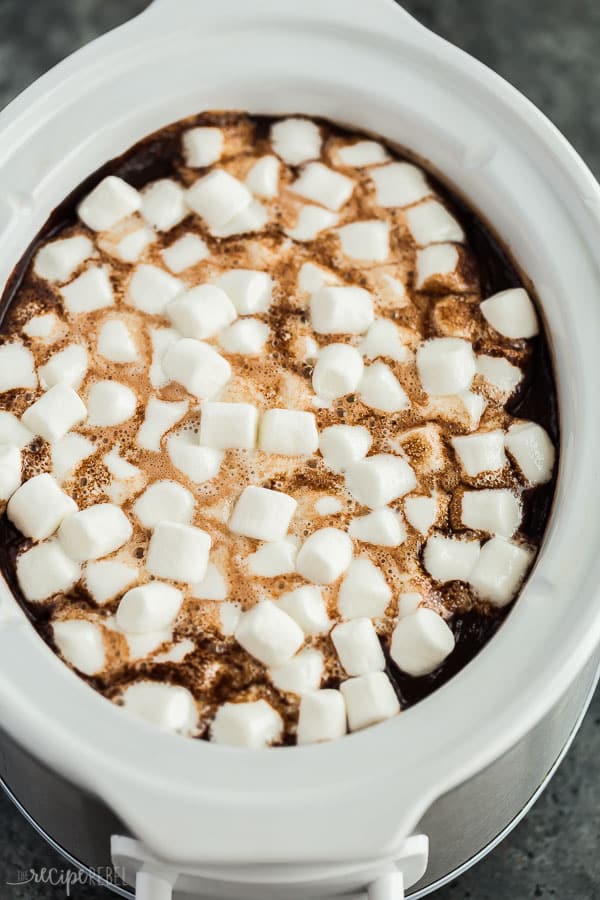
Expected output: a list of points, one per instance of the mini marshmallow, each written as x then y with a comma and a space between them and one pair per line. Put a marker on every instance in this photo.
246, 336
164, 501
38, 507
430, 222
149, 607
322, 717
228, 425
341, 310
57, 260
324, 556
338, 371
328, 506
185, 252
408, 603
230, 616
151, 288
474, 405
68, 452
446, 365
110, 201
254, 724
296, 140
425, 446
10, 470
202, 146
115, 342
94, 532
161, 339
55, 413
301, 674
450, 559
118, 466
499, 372
369, 240
421, 642
197, 367
199, 464
274, 558
46, 570
324, 186
110, 403
68, 366
435, 261
213, 586
341, 445
90, 291
46, 327
262, 514
421, 512
263, 177
218, 197
17, 367
141, 646
251, 219
163, 204
310, 222
269, 634
399, 184
289, 432
201, 312
81, 644
377, 480
107, 578
250, 291
306, 607
362, 153
382, 526
165, 706
12, 431
369, 699
495, 511
358, 647
160, 417
364, 591
178, 552
511, 313
383, 339
532, 450
500, 570
131, 247
380, 389
177, 653
481, 452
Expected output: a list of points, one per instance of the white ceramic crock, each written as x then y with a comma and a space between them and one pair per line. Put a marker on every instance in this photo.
370, 65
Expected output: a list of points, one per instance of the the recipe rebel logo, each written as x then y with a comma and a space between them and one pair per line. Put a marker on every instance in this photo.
67, 878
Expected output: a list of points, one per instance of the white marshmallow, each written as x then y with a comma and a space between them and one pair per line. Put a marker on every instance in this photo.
17, 367
341, 445
151, 288
164, 501
532, 450
430, 448
228, 425
185, 252
130, 248
369, 699
199, 464
338, 371
290, 432
377, 480
246, 336
498, 372
251, 219
408, 603
160, 417
383, 339
213, 586
362, 153
474, 405
68, 366
202, 146
149, 607
10, 470
90, 291
94, 532
269, 634
511, 313
254, 724
323, 185
12, 431
446, 365
301, 674
58, 260
262, 514
500, 570
358, 647
163, 204
328, 506
296, 140
141, 646
46, 570
218, 197
46, 327
161, 339
421, 642
364, 591
306, 606
399, 184
369, 240
421, 512
322, 717
107, 578
481, 452
312, 277
81, 644
324, 556
274, 558
38, 507
177, 653
382, 526
110, 201
110, 403
341, 310
430, 222
450, 559
116, 343
178, 552
310, 222
380, 389
165, 706
263, 177
55, 413
495, 511
433, 261
201, 312
250, 291
118, 466
197, 367
230, 616
68, 452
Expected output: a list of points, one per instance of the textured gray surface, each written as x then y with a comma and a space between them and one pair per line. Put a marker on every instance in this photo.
550, 51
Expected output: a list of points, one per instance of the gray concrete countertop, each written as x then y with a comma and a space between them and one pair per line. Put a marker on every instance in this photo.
551, 52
